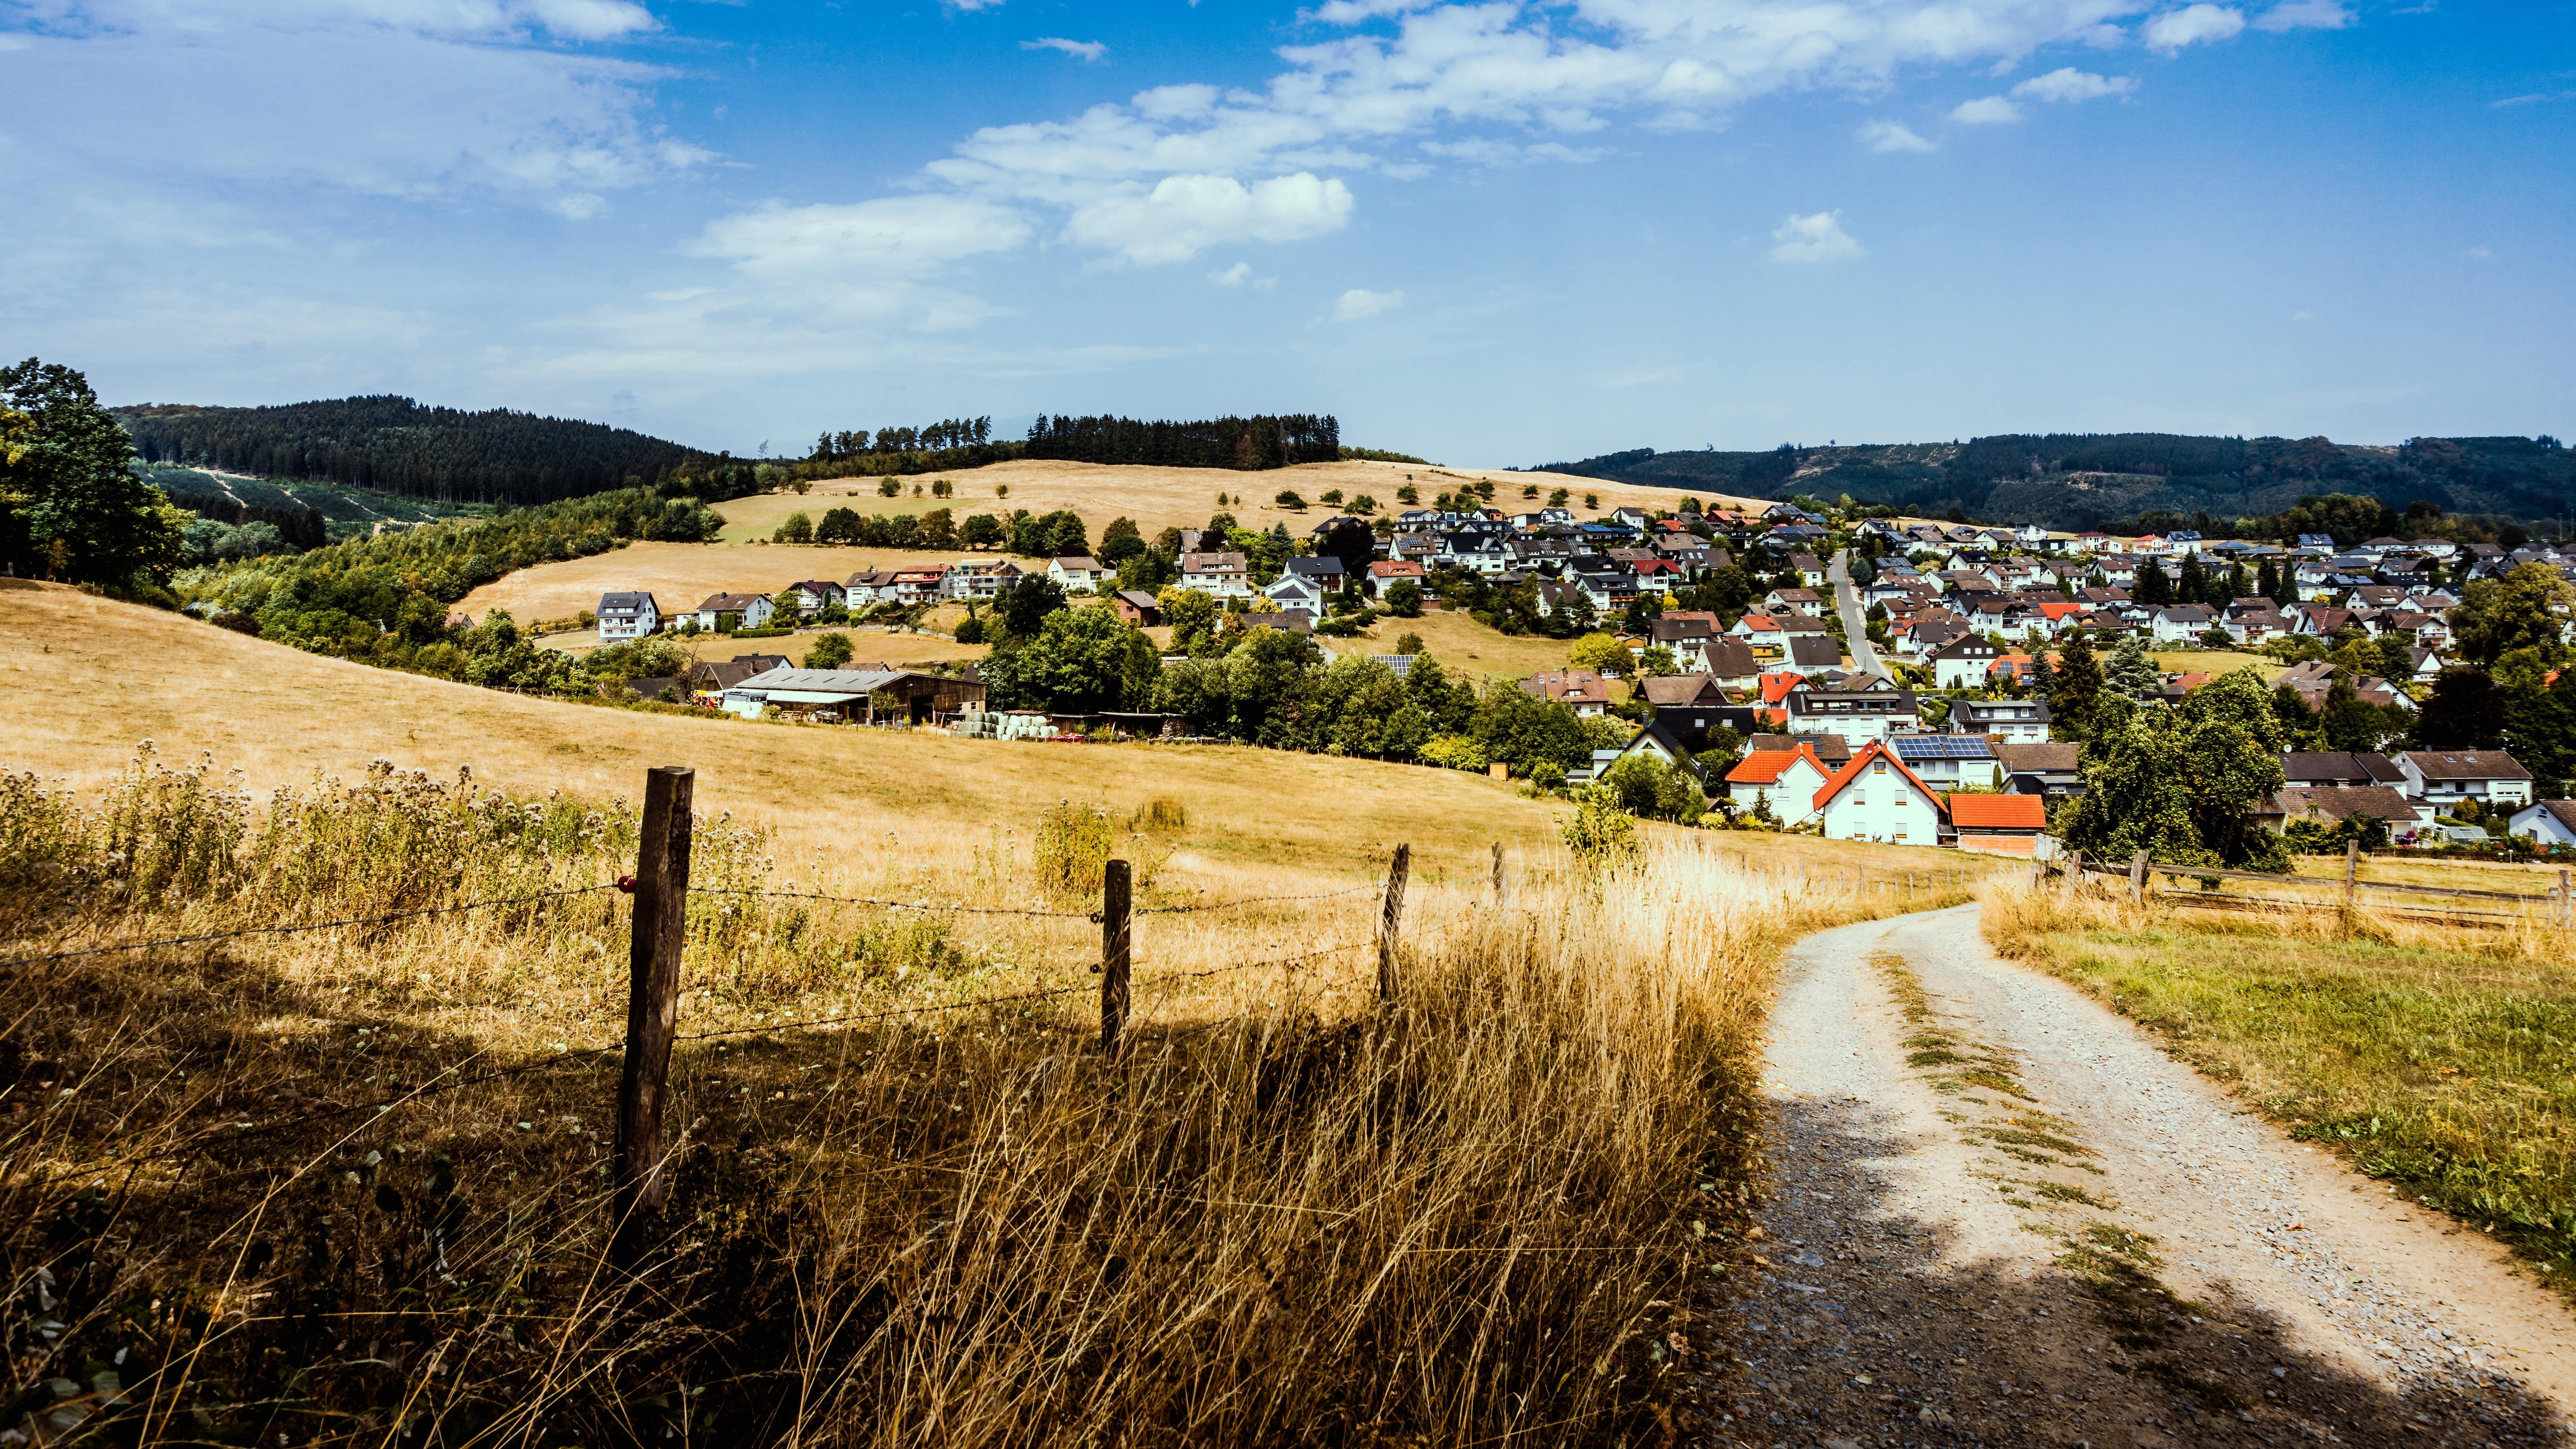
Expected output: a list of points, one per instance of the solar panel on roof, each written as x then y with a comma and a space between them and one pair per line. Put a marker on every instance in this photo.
1941, 747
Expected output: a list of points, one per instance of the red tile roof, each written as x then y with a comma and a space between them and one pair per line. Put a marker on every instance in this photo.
1877, 750
1777, 687
1998, 812
1765, 767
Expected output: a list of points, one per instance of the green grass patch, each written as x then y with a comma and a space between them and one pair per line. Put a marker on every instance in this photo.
2450, 1074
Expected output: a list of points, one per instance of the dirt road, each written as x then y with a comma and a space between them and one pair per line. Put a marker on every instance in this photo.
1999, 1214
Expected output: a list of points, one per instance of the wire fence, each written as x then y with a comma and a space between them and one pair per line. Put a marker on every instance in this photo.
456, 1076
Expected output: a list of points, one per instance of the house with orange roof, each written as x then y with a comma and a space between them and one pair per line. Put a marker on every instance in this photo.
1787, 779
1999, 824
1875, 797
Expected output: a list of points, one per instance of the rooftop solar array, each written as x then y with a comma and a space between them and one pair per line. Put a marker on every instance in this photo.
1941, 747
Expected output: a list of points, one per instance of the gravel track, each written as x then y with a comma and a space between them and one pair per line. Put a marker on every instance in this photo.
1998, 1213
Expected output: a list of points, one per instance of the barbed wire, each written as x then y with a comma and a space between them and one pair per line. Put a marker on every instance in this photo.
298, 929
899, 905
1251, 901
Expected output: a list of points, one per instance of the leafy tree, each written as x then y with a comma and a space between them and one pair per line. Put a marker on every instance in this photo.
1120, 542
799, 528
2465, 712
1267, 674
830, 651
1647, 785
1404, 599
839, 525
2182, 784
981, 531
1192, 616
2540, 730
1600, 653
938, 529
1081, 661
1148, 569
1409, 644
72, 505
1356, 706
2520, 611
1448, 704
1022, 606
1523, 730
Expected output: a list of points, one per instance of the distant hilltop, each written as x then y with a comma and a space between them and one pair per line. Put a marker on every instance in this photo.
2103, 480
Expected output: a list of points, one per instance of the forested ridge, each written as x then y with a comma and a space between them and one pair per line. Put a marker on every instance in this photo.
2099, 480
396, 445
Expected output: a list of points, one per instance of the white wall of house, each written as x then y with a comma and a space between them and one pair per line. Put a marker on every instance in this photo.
1793, 795
2541, 827
645, 620
1960, 673
1881, 804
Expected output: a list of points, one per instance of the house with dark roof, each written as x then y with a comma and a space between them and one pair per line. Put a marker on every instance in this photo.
1858, 715
2340, 767
2548, 824
1812, 654
1963, 661
627, 616
2444, 777
2053, 771
2014, 721
1582, 688
2334, 804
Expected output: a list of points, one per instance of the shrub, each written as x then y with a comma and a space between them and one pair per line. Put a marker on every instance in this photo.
1161, 813
1362, 503
1404, 600
1287, 498
970, 630
830, 651
1602, 836
1455, 752
1073, 849
1410, 644
889, 488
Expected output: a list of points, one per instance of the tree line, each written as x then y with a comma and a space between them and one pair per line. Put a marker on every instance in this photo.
1230, 442
397, 445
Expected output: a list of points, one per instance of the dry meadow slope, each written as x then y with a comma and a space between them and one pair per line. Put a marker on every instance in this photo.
1159, 498
93, 676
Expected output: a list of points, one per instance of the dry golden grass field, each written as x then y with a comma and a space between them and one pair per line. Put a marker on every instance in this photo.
1464, 646
1160, 498
360, 1173
2216, 661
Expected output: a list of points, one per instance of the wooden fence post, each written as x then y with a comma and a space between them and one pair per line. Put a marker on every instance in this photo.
2566, 909
1388, 919
2351, 869
652, 1007
2138, 879
2074, 868
1499, 897
1115, 941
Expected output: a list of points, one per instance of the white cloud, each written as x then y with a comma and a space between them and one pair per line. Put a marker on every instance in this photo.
2068, 86
1183, 215
1985, 111
1885, 137
1817, 238
2304, 15
891, 237
2192, 25
1240, 275
1360, 303
1086, 51
2481, 254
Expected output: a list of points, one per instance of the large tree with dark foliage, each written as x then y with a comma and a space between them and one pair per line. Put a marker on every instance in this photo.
72, 506
400, 446
1244, 443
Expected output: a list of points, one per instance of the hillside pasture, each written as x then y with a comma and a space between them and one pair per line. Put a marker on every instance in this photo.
1160, 498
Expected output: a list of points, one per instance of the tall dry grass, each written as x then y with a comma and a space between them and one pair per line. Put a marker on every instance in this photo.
350, 1185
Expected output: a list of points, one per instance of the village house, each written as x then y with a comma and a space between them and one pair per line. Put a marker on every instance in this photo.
2050, 771
813, 596
2445, 777
1785, 781
2547, 824
1875, 797
1581, 688
1077, 574
1997, 824
725, 613
627, 616
2010, 721
1949, 761
1962, 663
1225, 575
2333, 804
980, 578
854, 696
1137, 607
1859, 716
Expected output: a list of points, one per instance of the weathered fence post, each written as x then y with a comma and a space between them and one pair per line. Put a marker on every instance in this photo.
2351, 869
2074, 867
2566, 912
1499, 897
1388, 919
652, 1007
1115, 940
2138, 879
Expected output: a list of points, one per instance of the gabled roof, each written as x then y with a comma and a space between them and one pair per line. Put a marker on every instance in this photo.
2048, 759
1765, 767
1681, 690
1814, 649
2338, 802
2466, 765
1998, 812
1875, 750
1777, 687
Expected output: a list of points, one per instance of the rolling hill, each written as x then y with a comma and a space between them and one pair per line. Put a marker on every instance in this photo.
2090, 480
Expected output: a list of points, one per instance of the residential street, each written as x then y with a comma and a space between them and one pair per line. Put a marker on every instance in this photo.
1855, 618
2001, 1214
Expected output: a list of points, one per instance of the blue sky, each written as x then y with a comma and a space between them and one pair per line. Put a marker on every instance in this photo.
1490, 233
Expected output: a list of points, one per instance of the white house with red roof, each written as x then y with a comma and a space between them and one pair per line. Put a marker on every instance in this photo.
1875, 797
1788, 779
